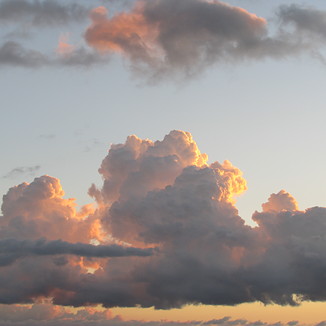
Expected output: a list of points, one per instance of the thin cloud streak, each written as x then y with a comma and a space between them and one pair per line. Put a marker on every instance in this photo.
12, 249
41, 13
15, 55
22, 170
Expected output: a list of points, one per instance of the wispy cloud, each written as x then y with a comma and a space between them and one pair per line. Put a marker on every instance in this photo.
22, 170
41, 13
14, 54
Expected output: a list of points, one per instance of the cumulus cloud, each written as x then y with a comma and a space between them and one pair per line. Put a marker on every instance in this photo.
36, 210
279, 202
160, 194
138, 166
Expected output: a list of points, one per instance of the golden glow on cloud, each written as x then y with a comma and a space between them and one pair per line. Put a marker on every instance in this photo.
282, 201
112, 34
233, 182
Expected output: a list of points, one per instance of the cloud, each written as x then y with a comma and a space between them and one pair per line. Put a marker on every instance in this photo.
12, 249
184, 35
29, 170
41, 13
306, 20
15, 55
36, 210
165, 38
282, 201
160, 194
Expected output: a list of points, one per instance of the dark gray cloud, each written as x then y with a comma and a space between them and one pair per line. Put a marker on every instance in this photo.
12, 249
305, 19
23, 170
14, 54
81, 57
41, 13
186, 35
166, 37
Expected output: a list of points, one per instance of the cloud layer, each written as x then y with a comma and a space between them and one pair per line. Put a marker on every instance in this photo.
159, 194
162, 38
165, 37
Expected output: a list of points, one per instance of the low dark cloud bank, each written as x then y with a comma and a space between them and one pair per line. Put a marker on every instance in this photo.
12, 249
162, 195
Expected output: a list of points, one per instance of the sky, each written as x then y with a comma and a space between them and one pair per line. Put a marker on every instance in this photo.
162, 162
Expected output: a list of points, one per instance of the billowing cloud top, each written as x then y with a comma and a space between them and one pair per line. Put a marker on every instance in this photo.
161, 195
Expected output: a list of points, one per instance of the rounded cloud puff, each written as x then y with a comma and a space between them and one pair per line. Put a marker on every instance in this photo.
161, 195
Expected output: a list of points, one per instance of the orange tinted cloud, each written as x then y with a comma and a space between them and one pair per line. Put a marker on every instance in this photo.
64, 48
161, 194
184, 35
126, 32
282, 201
40, 210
